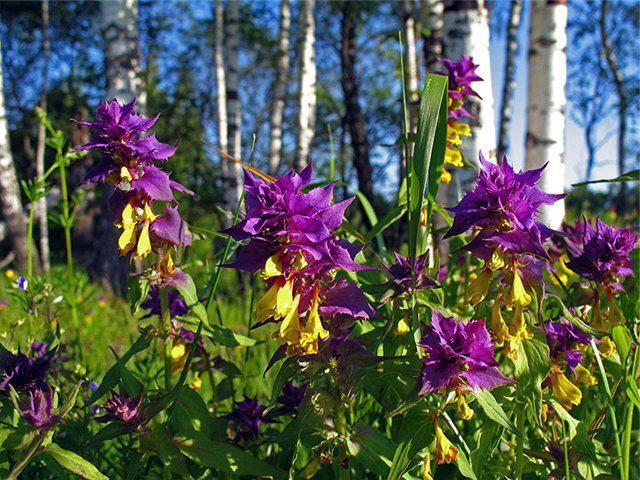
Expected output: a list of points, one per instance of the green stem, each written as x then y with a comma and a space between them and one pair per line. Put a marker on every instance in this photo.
32, 209
165, 329
31, 452
567, 468
67, 239
520, 445
612, 412
628, 424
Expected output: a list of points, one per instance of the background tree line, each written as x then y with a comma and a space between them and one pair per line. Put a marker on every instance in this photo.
285, 83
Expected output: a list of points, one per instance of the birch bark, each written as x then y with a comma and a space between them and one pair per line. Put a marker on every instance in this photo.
308, 79
546, 93
432, 13
221, 89
279, 89
234, 108
509, 85
9, 188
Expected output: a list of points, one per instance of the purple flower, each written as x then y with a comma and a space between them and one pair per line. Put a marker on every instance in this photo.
122, 409
93, 386
458, 355
281, 217
39, 411
291, 398
403, 272
246, 418
23, 373
461, 74
601, 254
342, 299
22, 283
177, 306
503, 206
564, 340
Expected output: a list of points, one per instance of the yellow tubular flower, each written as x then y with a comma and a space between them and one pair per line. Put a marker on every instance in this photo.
584, 376
426, 467
462, 409
290, 329
479, 287
445, 177
497, 261
272, 267
131, 218
445, 450
565, 391
498, 327
518, 295
606, 347
452, 156
457, 130
276, 303
125, 174
518, 327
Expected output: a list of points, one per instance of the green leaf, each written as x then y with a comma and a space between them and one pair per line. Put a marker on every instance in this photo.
632, 391
111, 378
632, 176
494, 411
227, 337
137, 290
531, 368
572, 423
372, 449
71, 400
373, 219
73, 462
622, 338
184, 284
425, 166
225, 457
416, 432
464, 465
385, 222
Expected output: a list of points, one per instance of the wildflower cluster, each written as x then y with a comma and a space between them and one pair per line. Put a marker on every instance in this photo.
502, 210
289, 235
461, 75
130, 160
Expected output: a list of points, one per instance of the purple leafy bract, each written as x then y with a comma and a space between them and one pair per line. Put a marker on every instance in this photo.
122, 409
246, 417
39, 412
23, 373
458, 355
564, 340
503, 206
601, 254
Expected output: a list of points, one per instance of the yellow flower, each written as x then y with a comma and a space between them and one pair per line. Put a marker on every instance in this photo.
426, 467
462, 409
272, 267
11, 274
498, 327
606, 347
403, 327
445, 450
457, 130
565, 391
276, 303
479, 287
452, 156
518, 295
130, 237
196, 383
497, 260
584, 376
518, 328
445, 177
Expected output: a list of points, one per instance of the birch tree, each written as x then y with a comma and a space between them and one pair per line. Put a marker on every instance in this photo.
124, 82
509, 85
432, 13
42, 135
9, 189
546, 93
466, 31
279, 89
234, 108
411, 72
221, 88
308, 79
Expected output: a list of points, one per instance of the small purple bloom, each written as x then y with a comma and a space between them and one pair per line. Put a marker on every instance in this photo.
23, 373
93, 386
22, 283
601, 254
458, 355
39, 412
291, 398
122, 409
177, 306
246, 418
564, 340
403, 273
503, 206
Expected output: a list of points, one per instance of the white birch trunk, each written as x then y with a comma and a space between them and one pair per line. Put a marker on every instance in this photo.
41, 208
122, 52
9, 189
221, 89
545, 112
308, 78
466, 31
279, 89
234, 109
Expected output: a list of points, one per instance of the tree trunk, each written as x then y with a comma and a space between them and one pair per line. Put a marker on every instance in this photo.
411, 75
432, 12
354, 117
9, 189
308, 78
41, 209
545, 111
221, 105
279, 89
466, 31
509, 86
234, 109
124, 82
623, 104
